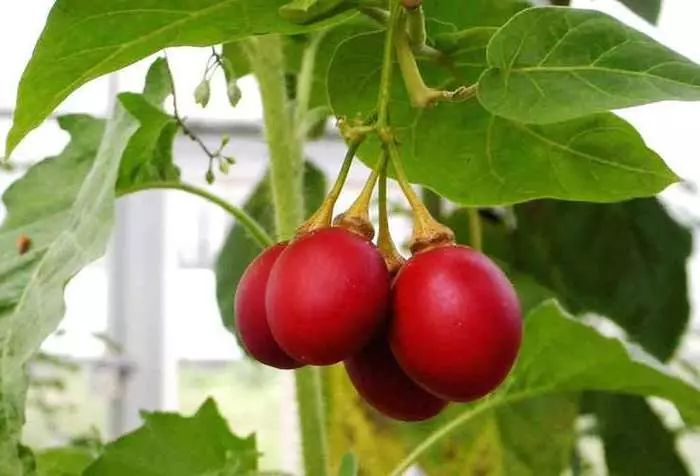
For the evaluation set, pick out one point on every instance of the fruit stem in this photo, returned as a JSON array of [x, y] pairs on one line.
[[254, 228], [323, 217], [427, 232], [421, 95], [356, 218], [392, 257], [286, 158], [475, 232]]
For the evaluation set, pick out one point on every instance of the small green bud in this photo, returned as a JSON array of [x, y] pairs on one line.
[[209, 177], [234, 93], [202, 93], [224, 166]]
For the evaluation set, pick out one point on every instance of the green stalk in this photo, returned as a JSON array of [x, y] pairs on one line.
[[286, 160], [416, 26], [387, 68], [305, 80], [475, 233], [253, 227], [286, 163]]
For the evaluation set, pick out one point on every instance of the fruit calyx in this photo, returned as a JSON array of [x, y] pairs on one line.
[[356, 218], [428, 233]]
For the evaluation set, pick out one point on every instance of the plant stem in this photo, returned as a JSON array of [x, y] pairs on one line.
[[387, 67], [239, 214], [286, 158], [416, 26], [475, 233], [421, 95], [286, 163], [305, 81], [324, 215]]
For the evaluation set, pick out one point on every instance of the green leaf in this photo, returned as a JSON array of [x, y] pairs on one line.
[[149, 155], [542, 368], [308, 11], [70, 231], [527, 438], [349, 465], [647, 9], [449, 15], [73, 48], [240, 248], [636, 441], [64, 206], [551, 64], [238, 64], [63, 461], [170, 444], [599, 158], [642, 250]]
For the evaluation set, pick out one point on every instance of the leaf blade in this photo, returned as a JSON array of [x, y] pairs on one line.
[[171, 444], [66, 56], [552, 64], [598, 158]]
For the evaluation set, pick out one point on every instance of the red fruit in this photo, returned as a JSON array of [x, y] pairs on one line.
[[327, 296], [251, 319], [377, 377], [457, 323]]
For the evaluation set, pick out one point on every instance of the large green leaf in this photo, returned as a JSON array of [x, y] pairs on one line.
[[68, 233], [636, 441], [169, 444], [63, 461], [647, 9], [551, 64], [597, 158], [64, 205], [84, 40], [240, 248], [561, 355], [449, 15], [624, 260], [307, 11]]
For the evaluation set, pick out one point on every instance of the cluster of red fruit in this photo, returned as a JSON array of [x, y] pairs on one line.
[[446, 327]]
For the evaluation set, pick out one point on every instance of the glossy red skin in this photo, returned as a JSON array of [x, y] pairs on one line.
[[251, 318], [379, 380], [327, 296], [457, 324]]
